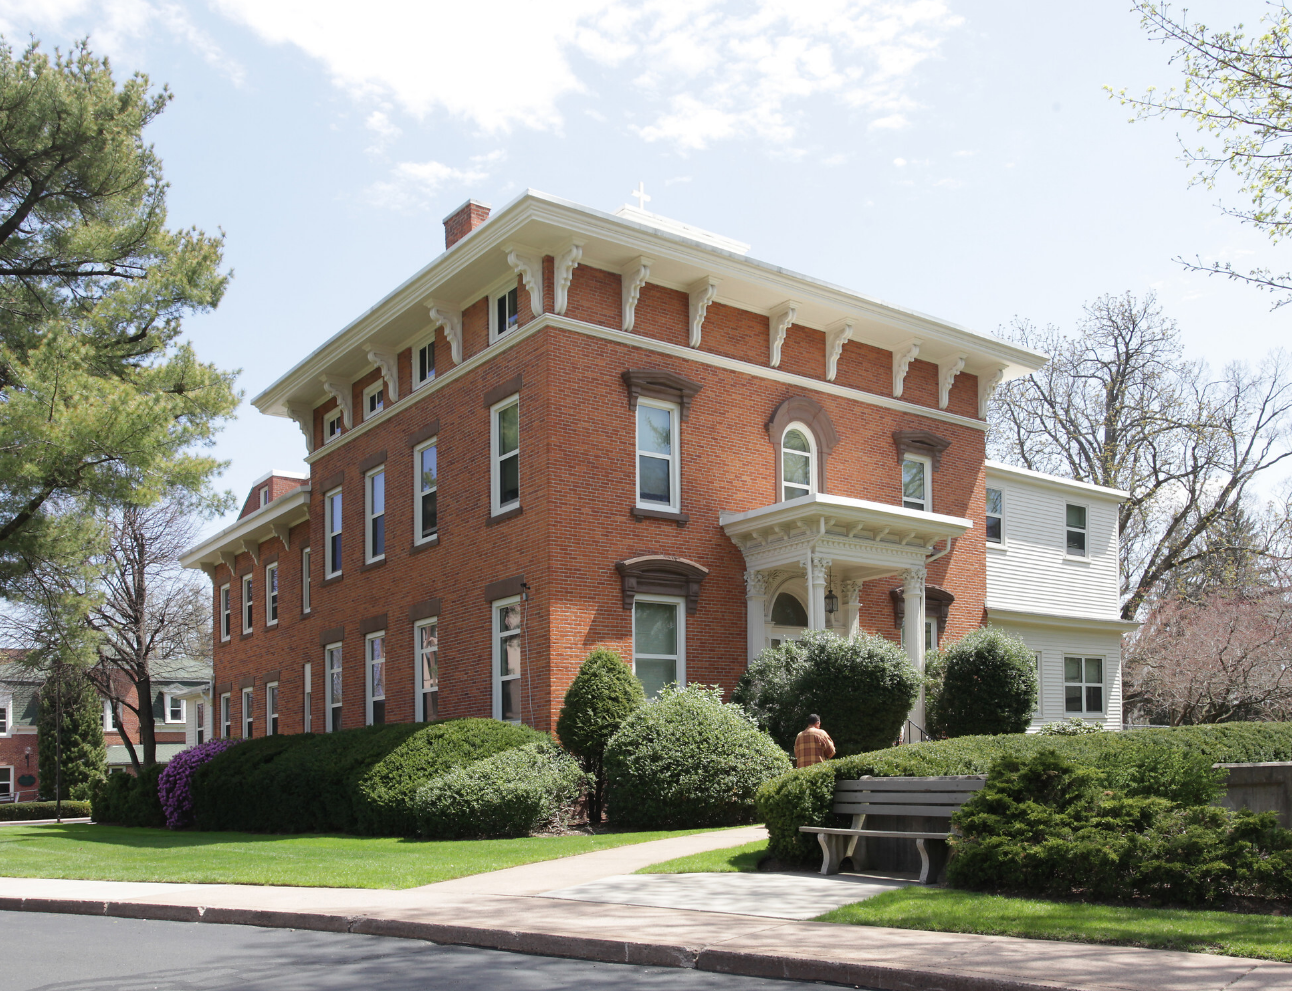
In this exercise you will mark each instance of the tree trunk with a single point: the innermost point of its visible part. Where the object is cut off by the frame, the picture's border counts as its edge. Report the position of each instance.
(147, 724)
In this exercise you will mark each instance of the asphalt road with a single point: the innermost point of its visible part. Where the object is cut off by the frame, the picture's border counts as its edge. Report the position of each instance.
(85, 953)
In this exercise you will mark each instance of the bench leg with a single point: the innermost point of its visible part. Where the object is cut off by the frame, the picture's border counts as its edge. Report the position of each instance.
(831, 848)
(933, 860)
(858, 852)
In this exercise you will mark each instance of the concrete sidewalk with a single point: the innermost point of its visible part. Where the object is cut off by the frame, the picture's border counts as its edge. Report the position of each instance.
(506, 911)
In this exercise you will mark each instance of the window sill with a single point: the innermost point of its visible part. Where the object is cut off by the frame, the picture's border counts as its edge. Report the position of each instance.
(505, 515)
(373, 564)
(681, 519)
(420, 546)
(271, 624)
(1076, 560)
(247, 635)
(999, 548)
(332, 580)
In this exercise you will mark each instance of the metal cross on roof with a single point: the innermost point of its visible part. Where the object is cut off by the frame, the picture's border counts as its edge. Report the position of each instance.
(640, 193)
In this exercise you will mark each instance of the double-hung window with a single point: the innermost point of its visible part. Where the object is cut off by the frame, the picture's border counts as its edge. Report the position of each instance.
(332, 424)
(426, 638)
(271, 708)
(5, 705)
(226, 721)
(305, 580)
(109, 717)
(1083, 684)
(659, 641)
(332, 662)
(264, 496)
(425, 491)
(307, 683)
(271, 595)
(174, 709)
(375, 531)
(248, 612)
(798, 461)
(504, 436)
(658, 485)
(374, 399)
(226, 614)
(199, 721)
(424, 364)
(1076, 530)
(332, 527)
(507, 639)
(995, 517)
(504, 313)
(248, 713)
(6, 782)
(375, 653)
(915, 483)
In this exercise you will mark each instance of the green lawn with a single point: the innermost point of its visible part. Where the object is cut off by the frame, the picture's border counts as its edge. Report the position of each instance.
(731, 860)
(946, 910)
(114, 853)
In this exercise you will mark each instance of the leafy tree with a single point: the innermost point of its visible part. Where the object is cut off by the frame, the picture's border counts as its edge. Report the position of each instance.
(100, 400)
(986, 685)
(69, 734)
(1119, 405)
(603, 694)
(1235, 94)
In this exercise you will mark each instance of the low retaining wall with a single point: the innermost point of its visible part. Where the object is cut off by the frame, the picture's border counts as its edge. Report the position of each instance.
(1261, 788)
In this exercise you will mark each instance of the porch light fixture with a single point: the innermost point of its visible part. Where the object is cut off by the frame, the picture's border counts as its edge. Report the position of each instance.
(831, 602)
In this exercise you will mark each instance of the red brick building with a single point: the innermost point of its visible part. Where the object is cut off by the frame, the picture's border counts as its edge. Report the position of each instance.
(575, 429)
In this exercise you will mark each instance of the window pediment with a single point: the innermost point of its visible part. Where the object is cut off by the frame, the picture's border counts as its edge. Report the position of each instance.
(801, 409)
(923, 442)
(660, 574)
(655, 383)
(937, 606)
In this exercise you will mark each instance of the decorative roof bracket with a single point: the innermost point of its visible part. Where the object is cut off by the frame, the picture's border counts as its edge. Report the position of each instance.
(563, 274)
(339, 389)
(836, 336)
(902, 358)
(702, 294)
(449, 319)
(778, 325)
(634, 277)
(947, 372)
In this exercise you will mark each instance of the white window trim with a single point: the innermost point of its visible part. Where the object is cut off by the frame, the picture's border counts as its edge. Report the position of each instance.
(264, 496)
(107, 717)
(248, 604)
(307, 696)
(269, 724)
(337, 417)
(327, 684)
(1040, 683)
(248, 712)
(271, 594)
(496, 651)
(813, 471)
(11, 783)
(416, 363)
(225, 715)
(367, 672)
(680, 602)
(6, 705)
(370, 391)
(226, 613)
(167, 697)
(305, 580)
(1103, 685)
(368, 556)
(674, 504)
(419, 687)
(1001, 544)
(504, 285)
(331, 568)
(497, 508)
(928, 480)
(1086, 530)
(417, 491)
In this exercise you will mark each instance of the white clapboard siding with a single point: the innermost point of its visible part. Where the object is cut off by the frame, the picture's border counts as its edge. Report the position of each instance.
(1053, 643)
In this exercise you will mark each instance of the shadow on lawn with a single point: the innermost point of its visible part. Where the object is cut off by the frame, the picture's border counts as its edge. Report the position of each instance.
(145, 838)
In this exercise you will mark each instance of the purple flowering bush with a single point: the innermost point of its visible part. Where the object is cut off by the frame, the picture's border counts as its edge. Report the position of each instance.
(175, 786)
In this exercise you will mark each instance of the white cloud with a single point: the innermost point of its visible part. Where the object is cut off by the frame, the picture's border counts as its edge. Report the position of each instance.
(899, 162)
(893, 122)
(415, 184)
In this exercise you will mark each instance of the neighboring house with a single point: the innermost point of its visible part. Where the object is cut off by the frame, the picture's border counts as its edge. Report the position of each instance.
(180, 688)
(576, 429)
(19, 706)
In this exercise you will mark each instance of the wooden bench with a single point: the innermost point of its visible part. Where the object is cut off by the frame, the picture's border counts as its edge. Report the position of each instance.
(929, 798)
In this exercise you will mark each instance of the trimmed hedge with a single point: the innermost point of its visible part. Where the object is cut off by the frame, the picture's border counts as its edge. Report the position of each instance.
(803, 797)
(126, 800)
(686, 759)
(19, 811)
(361, 781)
(514, 793)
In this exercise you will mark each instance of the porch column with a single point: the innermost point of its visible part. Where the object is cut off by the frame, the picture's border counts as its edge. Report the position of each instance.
(913, 631)
(816, 569)
(755, 610)
(852, 607)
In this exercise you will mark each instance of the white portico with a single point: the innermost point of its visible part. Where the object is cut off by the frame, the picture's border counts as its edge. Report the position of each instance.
(850, 541)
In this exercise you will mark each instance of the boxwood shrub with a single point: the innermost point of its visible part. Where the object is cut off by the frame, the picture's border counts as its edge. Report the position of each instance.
(18, 811)
(126, 800)
(1134, 759)
(985, 683)
(513, 793)
(687, 759)
(360, 781)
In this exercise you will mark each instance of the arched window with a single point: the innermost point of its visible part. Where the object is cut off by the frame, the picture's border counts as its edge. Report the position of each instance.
(787, 610)
(797, 456)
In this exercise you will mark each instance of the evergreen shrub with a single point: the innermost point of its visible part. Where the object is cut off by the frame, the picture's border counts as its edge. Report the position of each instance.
(126, 800)
(862, 687)
(803, 797)
(362, 781)
(175, 785)
(19, 811)
(513, 793)
(985, 683)
(84, 756)
(603, 694)
(687, 759)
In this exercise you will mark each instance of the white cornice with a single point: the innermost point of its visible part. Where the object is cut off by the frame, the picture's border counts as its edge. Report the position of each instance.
(247, 533)
(1109, 623)
(999, 469)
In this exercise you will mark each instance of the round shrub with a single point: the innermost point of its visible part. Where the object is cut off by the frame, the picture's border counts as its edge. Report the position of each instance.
(863, 687)
(687, 759)
(603, 694)
(512, 793)
(127, 800)
(988, 686)
(175, 785)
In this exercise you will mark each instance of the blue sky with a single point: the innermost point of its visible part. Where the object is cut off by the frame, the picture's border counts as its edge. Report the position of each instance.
(959, 158)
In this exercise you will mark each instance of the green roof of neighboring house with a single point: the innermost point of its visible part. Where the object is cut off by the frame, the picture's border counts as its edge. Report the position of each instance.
(119, 756)
(23, 684)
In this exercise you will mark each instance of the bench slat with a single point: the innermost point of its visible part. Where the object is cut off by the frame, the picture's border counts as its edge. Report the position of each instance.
(912, 784)
(905, 797)
(865, 808)
(895, 833)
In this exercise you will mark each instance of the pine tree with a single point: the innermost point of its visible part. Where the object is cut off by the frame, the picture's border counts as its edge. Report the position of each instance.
(67, 699)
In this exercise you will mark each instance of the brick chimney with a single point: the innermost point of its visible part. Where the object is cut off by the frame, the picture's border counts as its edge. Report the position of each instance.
(463, 221)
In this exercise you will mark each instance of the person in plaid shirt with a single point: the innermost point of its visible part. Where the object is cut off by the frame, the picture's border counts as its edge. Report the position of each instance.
(813, 745)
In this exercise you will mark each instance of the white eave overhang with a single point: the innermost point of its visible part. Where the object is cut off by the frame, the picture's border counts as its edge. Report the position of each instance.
(1060, 620)
(273, 520)
(542, 224)
(997, 469)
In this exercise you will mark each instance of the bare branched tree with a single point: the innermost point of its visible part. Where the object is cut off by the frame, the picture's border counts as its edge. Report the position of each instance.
(1119, 405)
(150, 611)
